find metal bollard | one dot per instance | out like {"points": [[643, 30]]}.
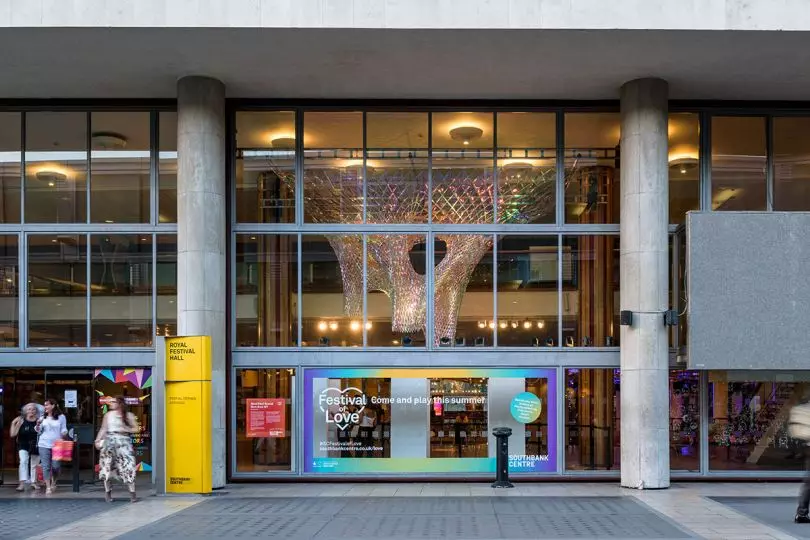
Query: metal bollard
{"points": [[502, 457], [75, 463]]}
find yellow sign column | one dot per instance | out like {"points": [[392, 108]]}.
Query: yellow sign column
{"points": [[188, 414]]}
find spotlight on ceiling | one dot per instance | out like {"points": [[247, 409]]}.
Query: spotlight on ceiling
{"points": [[51, 178], [466, 134], [683, 165]]}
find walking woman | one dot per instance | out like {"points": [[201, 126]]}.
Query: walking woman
{"points": [[24, 428], [51, 428], [117, 460]]}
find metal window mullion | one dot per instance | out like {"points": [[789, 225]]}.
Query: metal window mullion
{"points": [[232, 289], [300, 295], [705, 159], [560, 380], [769, 165], [429, 315], [704, 423], [88, 316], [299, 169], [430, 170], [89, 167], [154, 288], [365, 287], [675, 296], [23, 143], [22, 289], [560, 176], [559, 290], [494, 170], [154, 178], [365, 189], [495, 289]]}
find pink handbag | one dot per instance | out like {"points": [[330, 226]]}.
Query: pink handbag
{"points": [[63, 451]]}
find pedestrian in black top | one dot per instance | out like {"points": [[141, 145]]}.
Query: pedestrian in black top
{"points": [[23, 428]]}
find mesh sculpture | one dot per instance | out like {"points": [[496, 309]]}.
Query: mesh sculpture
{"points": [[400, 195]]}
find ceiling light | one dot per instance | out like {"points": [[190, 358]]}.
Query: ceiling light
{"points": [[368, 325], [109, 221], [51, 177], [482, 324], [354, 326], [108, 140], [322, 326], [333, 325], [491, 325], [541, 324], [683, 164], [527, 324], [503, 325], [283, 142], [466, 134], [514, 324]]}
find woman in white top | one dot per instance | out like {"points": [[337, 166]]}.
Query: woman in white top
{"points": [[51, 428], [117, 459]]}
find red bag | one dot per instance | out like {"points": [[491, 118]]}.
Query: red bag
{"points": [[40, 474], [63, 451]]}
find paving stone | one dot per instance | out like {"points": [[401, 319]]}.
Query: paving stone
{"points": [[22, 518], [775, 512]]}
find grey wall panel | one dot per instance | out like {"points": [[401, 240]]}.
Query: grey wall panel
{"points": [[748, 286]]}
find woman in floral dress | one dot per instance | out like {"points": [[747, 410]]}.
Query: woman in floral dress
{"points": [[114, 439]]}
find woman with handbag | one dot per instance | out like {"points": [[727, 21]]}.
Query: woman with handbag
{"points": [[117, 459], [24, 428], [51, 428]]}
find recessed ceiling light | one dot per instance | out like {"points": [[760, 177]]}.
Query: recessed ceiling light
{"points": [[283, 142], [108, 140], [466, 134]]}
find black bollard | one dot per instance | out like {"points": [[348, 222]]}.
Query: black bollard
{"points": [[502, 457]]}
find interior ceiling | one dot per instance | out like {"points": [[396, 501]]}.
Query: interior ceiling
{"points": [[402, 64]]}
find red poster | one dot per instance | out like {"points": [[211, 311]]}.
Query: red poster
{"points": [[266, 417]]}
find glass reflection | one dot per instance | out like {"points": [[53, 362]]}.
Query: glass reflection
{"points": [[265, 167], [10, 163], [55, 167], [527, 168], [397, 167], [166, 284], [592, 419], [332, 291], [527, 291], [266, 290], [167, 167], [592, 193], [791, 146], [9, 292], [121, 290], [57, 290], [738, 163], [684, 170], [333, 167], [120, 167], [590, 291]]}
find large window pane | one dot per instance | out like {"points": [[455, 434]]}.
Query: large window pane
{"points": [[333, 167], [462, 167], [459, 429], [332, 291], [266, 290], [119, 167], [121, 290], [592, 419], [684, 420], [527, 290], [166, 272], [684, 172], [265, 167], [264, 419], [9, 292], [55, 167], [167, 167], [57, 290], [10, 159], [592, 193], [397, 290], [791, 164], [396, 170], [527, 181], [748, 414], [738, 163], [590, 291], [463, 295]]}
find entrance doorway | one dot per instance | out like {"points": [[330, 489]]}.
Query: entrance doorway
{"points": [[73, 391]]}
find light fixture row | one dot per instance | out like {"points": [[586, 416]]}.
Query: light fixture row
{"points": [[354, 326], [503, 325]]}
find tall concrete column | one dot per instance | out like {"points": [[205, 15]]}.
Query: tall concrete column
{"points": [[201, 234], [644, 285]]}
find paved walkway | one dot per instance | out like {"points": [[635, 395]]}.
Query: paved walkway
{"points": [[427, 510]]}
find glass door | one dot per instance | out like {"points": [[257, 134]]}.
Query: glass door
{"points": [[73, 391]]}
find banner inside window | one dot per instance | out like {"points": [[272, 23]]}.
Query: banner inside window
{"points": [[428, 420]]}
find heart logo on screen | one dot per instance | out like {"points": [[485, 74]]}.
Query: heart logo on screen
{"points": [[345, 399]]}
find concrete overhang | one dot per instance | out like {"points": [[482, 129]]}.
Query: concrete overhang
{"points": [[403, 64]]}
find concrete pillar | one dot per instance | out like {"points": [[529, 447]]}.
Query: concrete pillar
{"points": [[644, 285], [201, 232]]}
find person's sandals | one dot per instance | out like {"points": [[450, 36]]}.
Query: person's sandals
{"points": [[21, 487], [108, 496]]}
